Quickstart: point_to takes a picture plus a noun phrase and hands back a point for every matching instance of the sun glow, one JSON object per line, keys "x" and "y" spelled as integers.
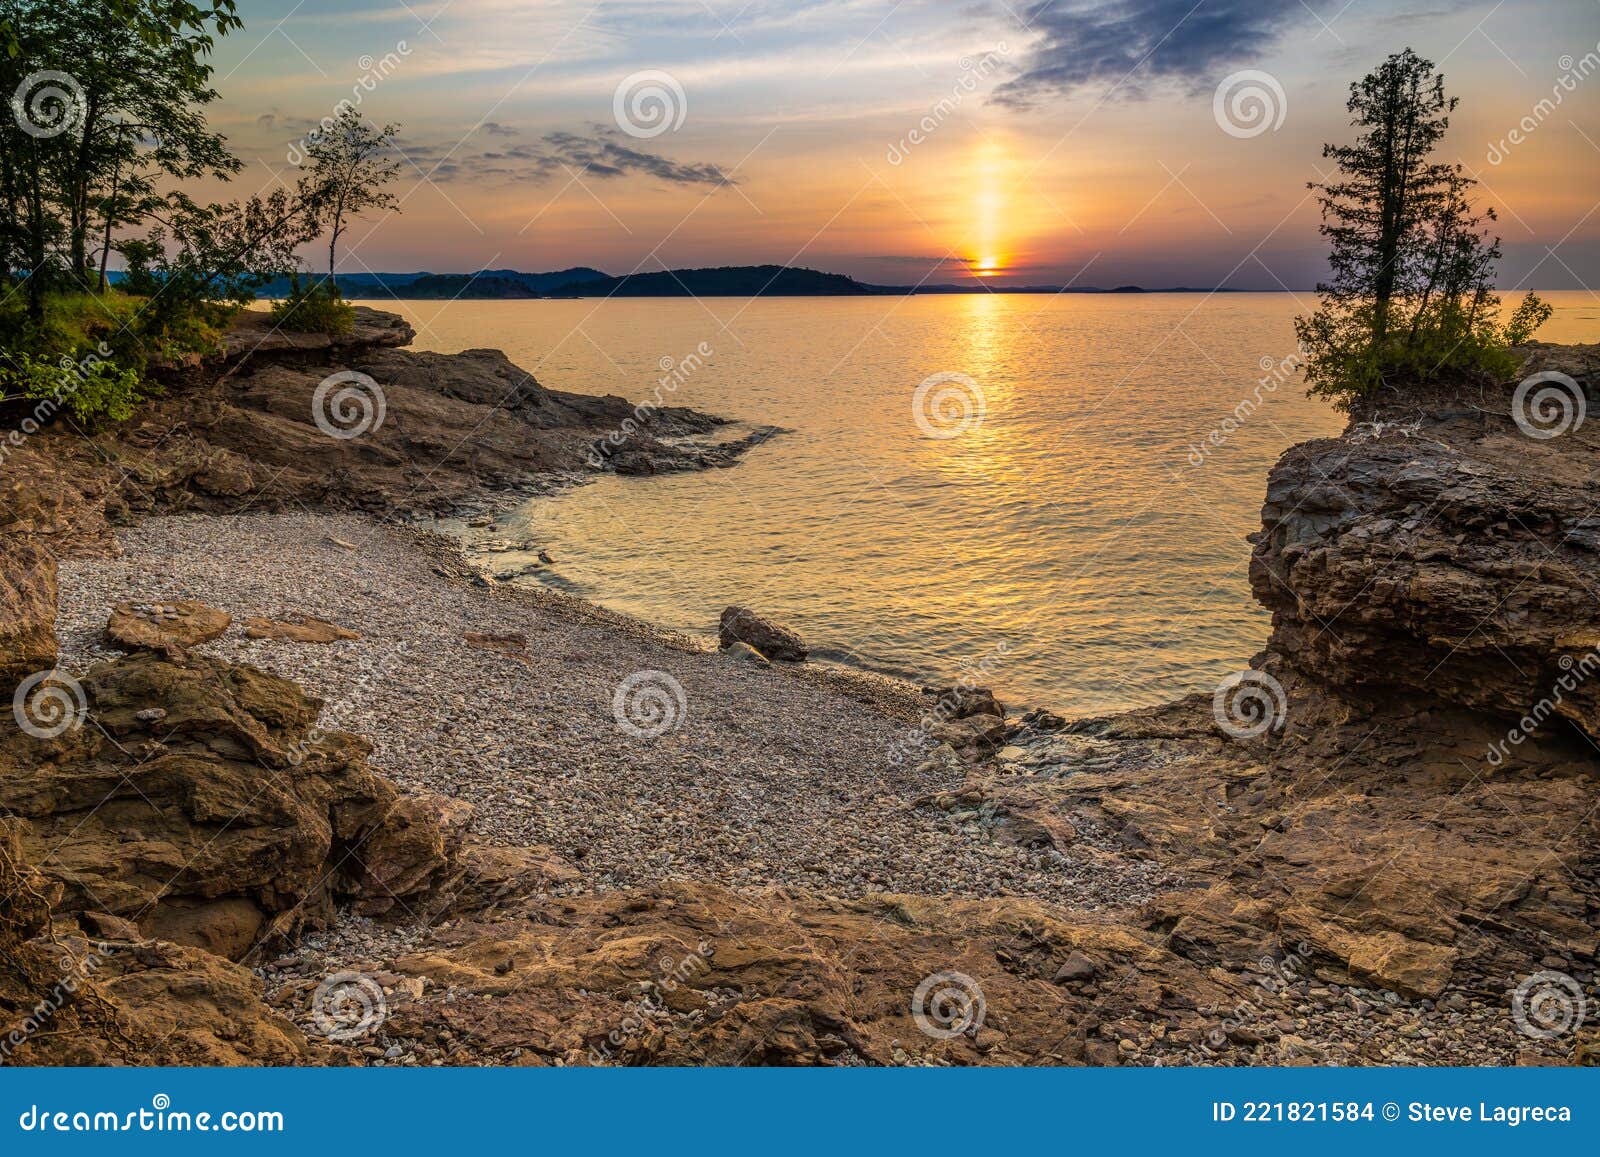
{"x": 991, "y": 198}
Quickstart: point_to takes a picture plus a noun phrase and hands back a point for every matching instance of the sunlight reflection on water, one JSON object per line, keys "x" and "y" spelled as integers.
{"x": 1069, "y": 526}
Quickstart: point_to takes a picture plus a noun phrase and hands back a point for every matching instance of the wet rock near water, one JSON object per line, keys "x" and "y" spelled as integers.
{"x": 742, "y": 625}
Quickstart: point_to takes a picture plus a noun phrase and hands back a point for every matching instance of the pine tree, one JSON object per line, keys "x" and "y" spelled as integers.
{"x": 1410, "y": 293}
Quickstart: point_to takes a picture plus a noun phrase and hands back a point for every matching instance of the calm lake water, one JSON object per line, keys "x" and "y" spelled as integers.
{"x": 1063, "y": 507}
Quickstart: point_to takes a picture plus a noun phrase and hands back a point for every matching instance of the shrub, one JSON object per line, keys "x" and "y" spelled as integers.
{"x": 316, "y": 308}
{"x": 90, "y": 387}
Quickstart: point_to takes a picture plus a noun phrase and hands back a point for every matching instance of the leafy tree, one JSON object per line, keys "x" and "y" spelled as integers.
{"x": 125, "y": 82}
{"x": 350, "y": 162}
{"x": 1410, "y": 294}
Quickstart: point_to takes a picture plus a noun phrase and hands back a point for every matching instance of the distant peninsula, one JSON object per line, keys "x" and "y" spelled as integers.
{"x": 722, "y": 281}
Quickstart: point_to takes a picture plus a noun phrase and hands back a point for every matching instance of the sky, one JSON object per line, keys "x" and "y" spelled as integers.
{"x": 1067, "y": 142}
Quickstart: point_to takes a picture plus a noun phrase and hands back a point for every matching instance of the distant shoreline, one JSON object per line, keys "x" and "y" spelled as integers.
{"x": 724, "y": 281}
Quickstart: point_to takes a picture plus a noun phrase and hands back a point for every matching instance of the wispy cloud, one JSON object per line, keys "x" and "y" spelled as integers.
{"x": 603, "y": 153}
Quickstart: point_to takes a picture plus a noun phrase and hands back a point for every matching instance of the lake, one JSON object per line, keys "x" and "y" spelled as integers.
{"x": 1053, "y": 491}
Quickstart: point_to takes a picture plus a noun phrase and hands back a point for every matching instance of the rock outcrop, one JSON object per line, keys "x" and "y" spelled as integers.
{"x": 1442, "y": 553}
{"x": 200, "y": 801}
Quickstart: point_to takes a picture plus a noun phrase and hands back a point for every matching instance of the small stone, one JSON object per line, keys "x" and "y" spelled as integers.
{"x": 1076, "y": 967}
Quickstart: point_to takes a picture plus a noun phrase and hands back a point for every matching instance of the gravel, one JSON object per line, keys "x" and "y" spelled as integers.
{"x": 768, "y": 776}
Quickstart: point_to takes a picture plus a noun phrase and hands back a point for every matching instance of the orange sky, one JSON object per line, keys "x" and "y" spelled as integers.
{"x": 912, "y": 141}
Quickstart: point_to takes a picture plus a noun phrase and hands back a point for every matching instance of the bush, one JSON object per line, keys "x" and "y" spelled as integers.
{"x": 91, "y": 387}
{"x": 316, "y": 308}
{"x": 85, "y": 355}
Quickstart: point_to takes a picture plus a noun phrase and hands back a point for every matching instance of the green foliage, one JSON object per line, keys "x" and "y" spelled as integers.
{"x": 314, "y": 308}
{"x": 90, "y": 387}
{"x": 1410, "y": 297}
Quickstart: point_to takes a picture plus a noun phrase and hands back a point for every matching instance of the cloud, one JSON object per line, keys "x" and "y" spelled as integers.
{"x": 601, "y": 154}
{"x": 1140, "y": 40}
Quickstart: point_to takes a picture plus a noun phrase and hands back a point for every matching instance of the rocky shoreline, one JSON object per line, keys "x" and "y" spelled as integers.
{"x": 327, "y": 796}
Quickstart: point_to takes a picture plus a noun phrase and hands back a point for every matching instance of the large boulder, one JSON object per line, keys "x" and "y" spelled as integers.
{"x": 202, "y": 801}
{"x": 742, "y": 625}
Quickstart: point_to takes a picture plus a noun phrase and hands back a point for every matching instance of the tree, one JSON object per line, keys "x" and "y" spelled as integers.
{"x": 109, "y": 98}
{"x": 350, "y": 162}
{"x": 1410, "y": 293}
